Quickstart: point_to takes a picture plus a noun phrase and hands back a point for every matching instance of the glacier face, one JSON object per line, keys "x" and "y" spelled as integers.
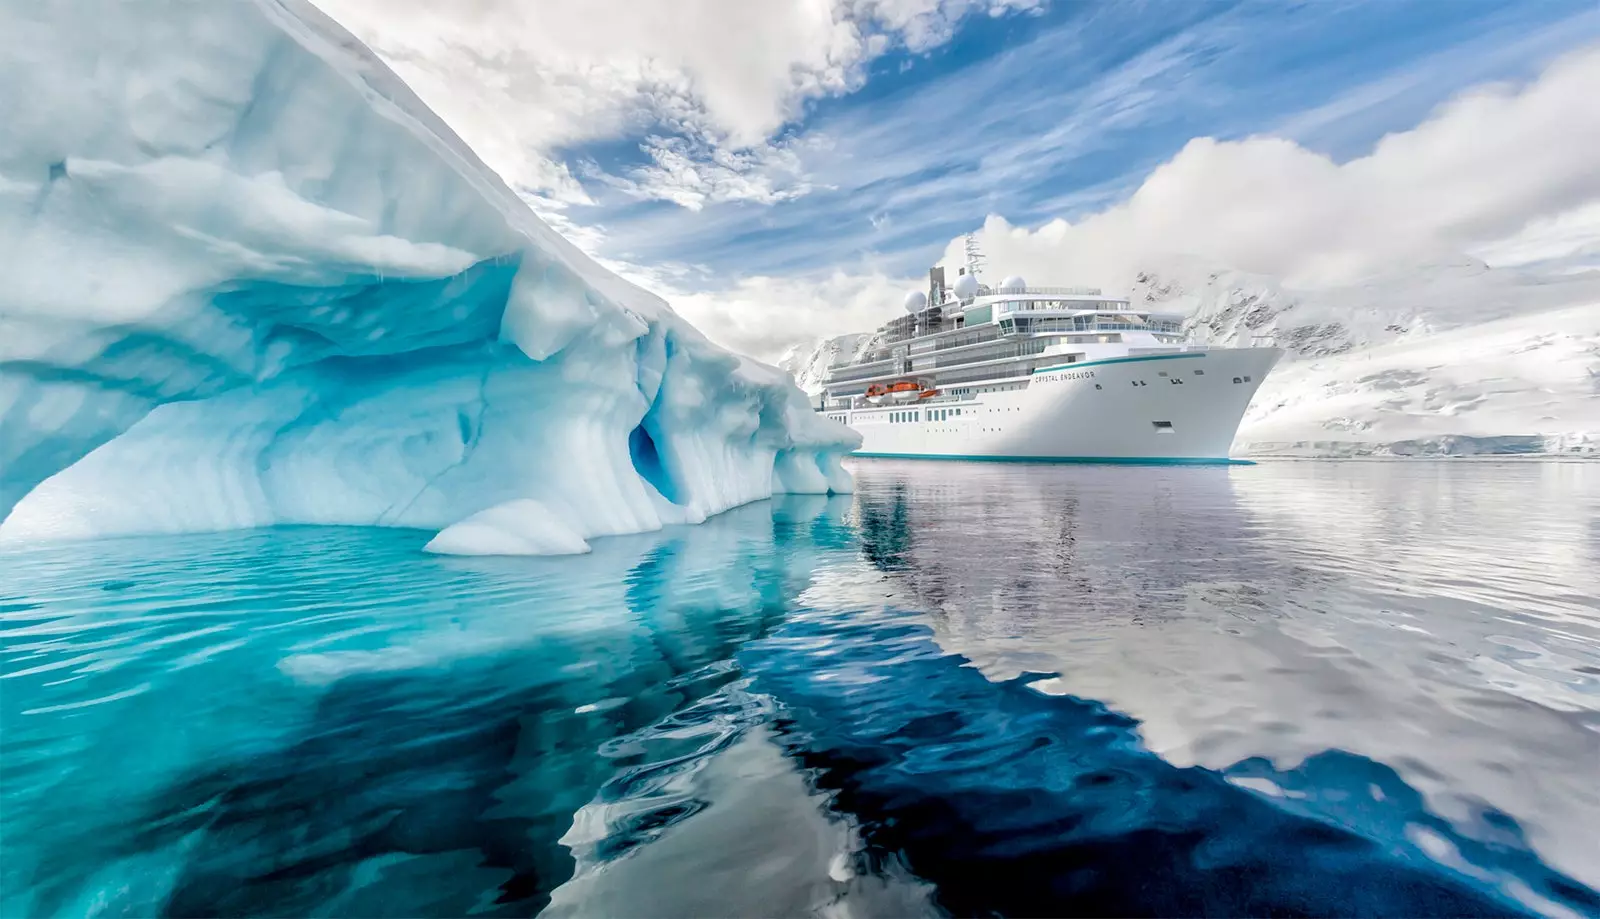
{"x": 252, "y": 280}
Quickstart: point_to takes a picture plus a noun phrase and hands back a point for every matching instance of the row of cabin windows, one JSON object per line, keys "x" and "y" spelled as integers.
{"x": 937, "y": 414}
{"x": 970, "y": 390}
{"x": 1018, "y": 368}
{"x": 994, "y": 352}
{"x": 1012, "y": 306}
{"x": 958, "y": 340}
{"x": 1033, "y": 325}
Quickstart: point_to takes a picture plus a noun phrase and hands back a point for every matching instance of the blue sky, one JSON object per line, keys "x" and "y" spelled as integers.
{"x": 781, "y": 170}
{"x": 1059, "y": 112}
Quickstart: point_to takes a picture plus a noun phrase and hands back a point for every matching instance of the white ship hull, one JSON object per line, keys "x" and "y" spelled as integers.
{"x": 1127, "y": 409}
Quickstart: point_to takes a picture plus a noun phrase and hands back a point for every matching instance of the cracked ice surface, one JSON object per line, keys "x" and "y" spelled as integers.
{"x": 251, "y": 280}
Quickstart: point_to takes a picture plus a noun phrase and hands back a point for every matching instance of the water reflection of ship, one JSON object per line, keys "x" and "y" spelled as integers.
{"x": 1089, "y": 544}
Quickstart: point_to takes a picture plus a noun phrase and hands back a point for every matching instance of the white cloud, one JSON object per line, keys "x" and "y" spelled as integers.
{"x": 924, "y": 24}
{"x": 1481, "y": 169}
{"x": 762, "y": 316}
{"x": 693, "y": 173}
{"x": 1567, "y": 241}
{"x": 519, "y": 80}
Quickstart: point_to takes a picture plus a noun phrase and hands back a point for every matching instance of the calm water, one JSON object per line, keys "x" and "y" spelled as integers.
{"x": 1294, "y": 688}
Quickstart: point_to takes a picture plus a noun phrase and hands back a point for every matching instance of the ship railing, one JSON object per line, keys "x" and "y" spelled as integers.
{"x": 858, "y": 372}
{"x": 871, "y": 357}
{"x": 1045, "y": 291}
{"x": 1064, "y": 291}
{"x": 1049, "y": 291}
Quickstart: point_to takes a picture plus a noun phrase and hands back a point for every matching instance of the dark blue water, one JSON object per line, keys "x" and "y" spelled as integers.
{"x": 1290, "y": 689}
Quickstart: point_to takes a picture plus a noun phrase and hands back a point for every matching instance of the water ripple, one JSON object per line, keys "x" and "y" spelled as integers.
{"x": 1299, "y": 687}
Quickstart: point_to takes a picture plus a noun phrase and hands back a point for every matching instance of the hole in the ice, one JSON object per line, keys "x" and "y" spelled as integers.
{"x": 647, "y": 462}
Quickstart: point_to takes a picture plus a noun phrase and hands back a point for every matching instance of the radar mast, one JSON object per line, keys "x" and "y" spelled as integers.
{"x": 975, "y": 259}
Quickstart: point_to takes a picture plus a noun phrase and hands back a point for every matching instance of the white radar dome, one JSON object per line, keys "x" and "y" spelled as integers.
{"x": 966, "y": 287}
{"x": 916, "y": 301}
{"x": 1013, "y": 285}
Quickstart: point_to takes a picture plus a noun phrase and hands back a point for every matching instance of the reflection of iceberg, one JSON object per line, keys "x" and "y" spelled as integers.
{"x": 250, "y": 280}
{"x": 436, "y": 735}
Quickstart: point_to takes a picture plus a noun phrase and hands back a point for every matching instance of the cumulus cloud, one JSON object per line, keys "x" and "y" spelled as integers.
{"x": 519, "y": 80}
{"x": 761, "y": 316}
{"x": 1493, "y": 164}
{"x": 1568, "y": 241}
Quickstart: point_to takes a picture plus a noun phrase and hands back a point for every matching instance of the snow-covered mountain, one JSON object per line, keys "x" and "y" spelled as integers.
{"x": 1235, "y": 308}
{"x": 1446, "y": 358}
{"x": 1527, "y": 383}
{"x": 808, "y": 361}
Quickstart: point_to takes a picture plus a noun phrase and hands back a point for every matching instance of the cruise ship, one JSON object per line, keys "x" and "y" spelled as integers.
{"x": 1061, "y": 374}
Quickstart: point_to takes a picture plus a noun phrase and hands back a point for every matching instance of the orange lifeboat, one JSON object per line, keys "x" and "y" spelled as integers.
{"x": 876, "y": 392}
{"x": 904, "y": 391}
{"x": 928, "y": 393}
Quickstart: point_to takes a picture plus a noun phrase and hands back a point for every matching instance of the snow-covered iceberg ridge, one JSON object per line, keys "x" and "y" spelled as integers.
{"x": 249, "y": 279}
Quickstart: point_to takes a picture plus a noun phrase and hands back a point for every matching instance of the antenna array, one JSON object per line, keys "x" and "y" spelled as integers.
{"x": 975, "y": 259}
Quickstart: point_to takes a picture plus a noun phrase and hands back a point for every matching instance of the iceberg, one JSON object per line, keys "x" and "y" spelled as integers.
{"x": 251, "y": 280}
